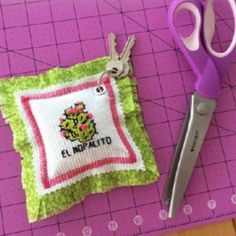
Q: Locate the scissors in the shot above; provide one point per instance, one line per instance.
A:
(209, 67)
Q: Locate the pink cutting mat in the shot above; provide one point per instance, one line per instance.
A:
(36, 35)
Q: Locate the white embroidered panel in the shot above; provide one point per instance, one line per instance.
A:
(63, 155)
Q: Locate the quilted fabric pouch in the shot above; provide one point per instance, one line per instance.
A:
(74, 139)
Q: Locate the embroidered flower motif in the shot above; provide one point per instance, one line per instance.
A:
(77, 124)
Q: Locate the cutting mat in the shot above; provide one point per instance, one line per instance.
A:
(36, 35)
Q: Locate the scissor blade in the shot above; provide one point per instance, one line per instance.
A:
(201, 111)
(171, 177)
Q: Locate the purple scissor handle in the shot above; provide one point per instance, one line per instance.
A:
(210, 67)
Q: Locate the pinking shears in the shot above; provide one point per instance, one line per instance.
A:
(210, 68)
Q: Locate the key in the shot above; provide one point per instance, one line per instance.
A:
(119, 66)
(112, 47)
(114, 66)
(125, 55)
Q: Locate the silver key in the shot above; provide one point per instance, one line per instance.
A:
(114, 66)
(112, 47)
(125, 55)
(119, 66)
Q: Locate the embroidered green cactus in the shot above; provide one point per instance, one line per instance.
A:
(78, 124)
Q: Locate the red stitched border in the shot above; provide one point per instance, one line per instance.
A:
(47, 183)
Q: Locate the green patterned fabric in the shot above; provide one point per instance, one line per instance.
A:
(39, 206)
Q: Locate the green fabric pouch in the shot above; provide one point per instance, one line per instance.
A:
(76, 139)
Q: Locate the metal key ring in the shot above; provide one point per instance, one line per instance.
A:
(100, 88)
(107, 72)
